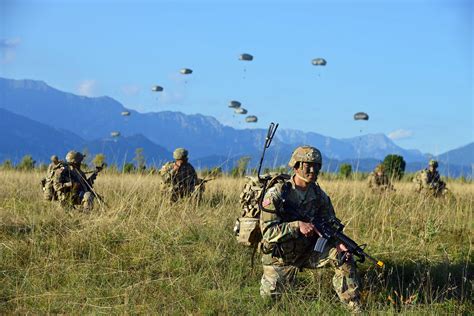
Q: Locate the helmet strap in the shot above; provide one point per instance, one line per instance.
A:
(302, 178)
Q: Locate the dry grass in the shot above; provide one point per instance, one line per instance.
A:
(142, 255)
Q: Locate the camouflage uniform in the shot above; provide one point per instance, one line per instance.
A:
(379, 182)
(182, 181)
(47, 182)
(71, 184)
(429, 181)
(286, 250)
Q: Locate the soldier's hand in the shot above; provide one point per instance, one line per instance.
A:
(68, 184)
(341, 248)
(307, 229)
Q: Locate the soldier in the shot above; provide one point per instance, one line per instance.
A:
(428, 180)
(47, 182)
(71, 184)
(179, 177)
(289, 236)
(378, 181)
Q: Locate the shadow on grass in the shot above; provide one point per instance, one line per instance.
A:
(399, 287)
(411, 283)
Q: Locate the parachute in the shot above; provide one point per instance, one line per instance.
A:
(319, 62)
(251, 119)
(115, 134)
(246, 57)
(157, 88)
(186, 71)
(361, 116)
(125, 113)
(240, 111)
(234, 104)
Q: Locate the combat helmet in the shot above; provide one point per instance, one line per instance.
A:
(180, 153)
(433, 163)
(379, 168)
(54, 158)
(305, 154)
(74, 157)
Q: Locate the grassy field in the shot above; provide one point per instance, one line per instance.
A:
(142, 255)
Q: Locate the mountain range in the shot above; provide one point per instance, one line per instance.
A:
(40, 120)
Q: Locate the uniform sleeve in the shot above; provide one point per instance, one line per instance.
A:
(166, 172)
(274, 229)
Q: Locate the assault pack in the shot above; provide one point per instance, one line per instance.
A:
(247, 226)
(49, 194)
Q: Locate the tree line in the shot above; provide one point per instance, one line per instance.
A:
(394, 166)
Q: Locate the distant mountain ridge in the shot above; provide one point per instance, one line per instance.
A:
(92, 120)
(460, 156)
(20, 136)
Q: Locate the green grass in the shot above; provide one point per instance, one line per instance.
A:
(142, 255)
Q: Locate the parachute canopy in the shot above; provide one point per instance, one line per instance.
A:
(157, 88)
(240, 111)
(251, 119)
(186, 71)
(234, 104)
(125, 113)
(246, 57)
(319, 62)
(115, 134)
(361, 116)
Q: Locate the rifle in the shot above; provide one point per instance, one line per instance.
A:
(201, 183)
(332, 229)
(92, 178)
(90, 181)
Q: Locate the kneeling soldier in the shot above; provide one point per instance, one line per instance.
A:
(289, 237)
(72, 185)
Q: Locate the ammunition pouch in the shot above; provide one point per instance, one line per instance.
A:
(248, 232)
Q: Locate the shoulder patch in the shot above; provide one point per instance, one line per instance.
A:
(266, 202)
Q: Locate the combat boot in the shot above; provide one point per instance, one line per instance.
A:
(355, 307)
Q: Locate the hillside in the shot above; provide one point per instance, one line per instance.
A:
(204, 136)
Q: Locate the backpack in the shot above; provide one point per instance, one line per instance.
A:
(247, 226)
(49, 194)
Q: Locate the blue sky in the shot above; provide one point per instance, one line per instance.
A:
(408, 64)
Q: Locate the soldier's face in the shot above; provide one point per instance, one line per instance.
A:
(309, 171)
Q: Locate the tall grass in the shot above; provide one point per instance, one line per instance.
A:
(143, 255)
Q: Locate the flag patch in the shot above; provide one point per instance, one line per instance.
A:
(266, 202)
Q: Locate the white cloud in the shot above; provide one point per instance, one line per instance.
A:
(131, 89)
(8, 49)
(400, 134)
(87, 88)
